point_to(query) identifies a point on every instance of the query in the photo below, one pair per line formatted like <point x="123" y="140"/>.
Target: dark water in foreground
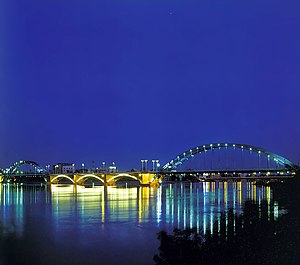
<point x="76" y="225"/>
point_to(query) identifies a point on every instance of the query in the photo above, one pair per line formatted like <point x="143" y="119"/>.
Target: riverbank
<point x="254" y="237"/>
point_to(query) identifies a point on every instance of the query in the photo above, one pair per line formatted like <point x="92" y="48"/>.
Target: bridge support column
<point x="108" y="181"/>
<point x="155" y="183"/>
<point x="75" y="178"/>
<point x="145" y="178"/>
<point x="105" y="180"/>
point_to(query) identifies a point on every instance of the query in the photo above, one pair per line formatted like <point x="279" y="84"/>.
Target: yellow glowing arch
<point x="90" y="176"/>
<point x="122" y="175"/>
<point x="62" y="176"/>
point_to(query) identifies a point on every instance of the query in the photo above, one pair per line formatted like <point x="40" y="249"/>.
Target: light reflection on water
<point x="105" y="217"/>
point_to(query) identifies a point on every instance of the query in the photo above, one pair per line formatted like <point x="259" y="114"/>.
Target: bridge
<point x="217" y="161"/>
<point x="106" y="179"/>
<point x="32" y="172"/>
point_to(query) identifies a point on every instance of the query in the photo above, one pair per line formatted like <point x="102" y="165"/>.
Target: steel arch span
<point x="13" y="168"/>
<point x="185" y="156"/>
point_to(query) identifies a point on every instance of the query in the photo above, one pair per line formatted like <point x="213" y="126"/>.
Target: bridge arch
<point x="14" y="167"/>
<point x="181" y="158"/>
<point x="177" y="161"/>
<point x="62" y="176"/>
<point x="85" y="177"/>
<point x="123" y="175"/>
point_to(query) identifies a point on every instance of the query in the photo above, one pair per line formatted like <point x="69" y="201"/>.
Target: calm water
<point x="77" y="225"/>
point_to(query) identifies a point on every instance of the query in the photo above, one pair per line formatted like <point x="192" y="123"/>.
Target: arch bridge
<point x="228" y="160"/>
<point x="106" y="179"/>
<point x="280" y="161"/>
<point x="13" y="169"/>
<point x="215" y="161"/>
<point x="25" y="170"/>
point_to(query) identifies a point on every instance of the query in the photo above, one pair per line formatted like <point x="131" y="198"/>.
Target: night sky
<point x="126" y="80"/>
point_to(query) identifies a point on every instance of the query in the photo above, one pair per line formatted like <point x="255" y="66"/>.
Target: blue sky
<point x="125" y="80"/>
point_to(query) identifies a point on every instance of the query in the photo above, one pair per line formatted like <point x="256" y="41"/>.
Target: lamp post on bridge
<point x="234" y="156"/>
<point x="142" y="161"/>
<point x="212" y="153"/>
<point x="82" y="167"/>
<point x="103" y="166"/>
<point x="242" y="156"/>
<point x="157" y="164"/>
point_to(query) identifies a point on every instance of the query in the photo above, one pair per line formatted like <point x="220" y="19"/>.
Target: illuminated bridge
<point x="24" y="171"/>
<point x="228" y="161"/>
<point x="216" y="161"/>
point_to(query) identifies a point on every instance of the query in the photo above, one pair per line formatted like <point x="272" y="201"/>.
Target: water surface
<point x="66" y="224"/>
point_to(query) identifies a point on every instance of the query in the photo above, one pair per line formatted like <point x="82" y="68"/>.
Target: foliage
<point x="251" y="238"/>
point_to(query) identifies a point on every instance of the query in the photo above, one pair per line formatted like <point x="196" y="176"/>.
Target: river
<point x="66" y="224"/>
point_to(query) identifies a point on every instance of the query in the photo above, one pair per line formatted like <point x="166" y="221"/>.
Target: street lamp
<point x="82" y="167"/>
<point x="103" y="166"/>
<point x="157" y="164"/>
<point x="142" y="161"/>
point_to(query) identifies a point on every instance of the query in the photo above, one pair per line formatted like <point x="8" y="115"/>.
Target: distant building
<point x="64" y="168"/>
<point x="112" y="168"/>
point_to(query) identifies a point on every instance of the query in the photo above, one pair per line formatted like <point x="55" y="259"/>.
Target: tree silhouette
<point x="251" y="238"/>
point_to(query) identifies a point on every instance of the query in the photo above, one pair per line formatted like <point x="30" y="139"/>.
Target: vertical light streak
<point x="268" y="195"/>
<point x="8" y="194"/>
<point x="184" y="209"/>
<point x="248" y="190"/>
<point x="259" y="203"/>
<point x="219" y="208"/>
<point x="103" y="205"/>
<point x="173" y="205"/>
<point x="226" y="195"/>
<point x="197" y="208"/>
<point x="240" y="199"/>
<point x="158" y="204"/>
<point x="254" y="193"/>
<point x="234" y="191"/>
<point x="204" y="206"/>
<point x="191" y="206"/>
<point x="168" y="202"/>
<point x="179" y="206"/>
<point x="276" y="213"/>
<point x="211" y="219"/>
<point x="219" y="194"/>
<point x="146" y="198"/>
<point x="140" y="205"/>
